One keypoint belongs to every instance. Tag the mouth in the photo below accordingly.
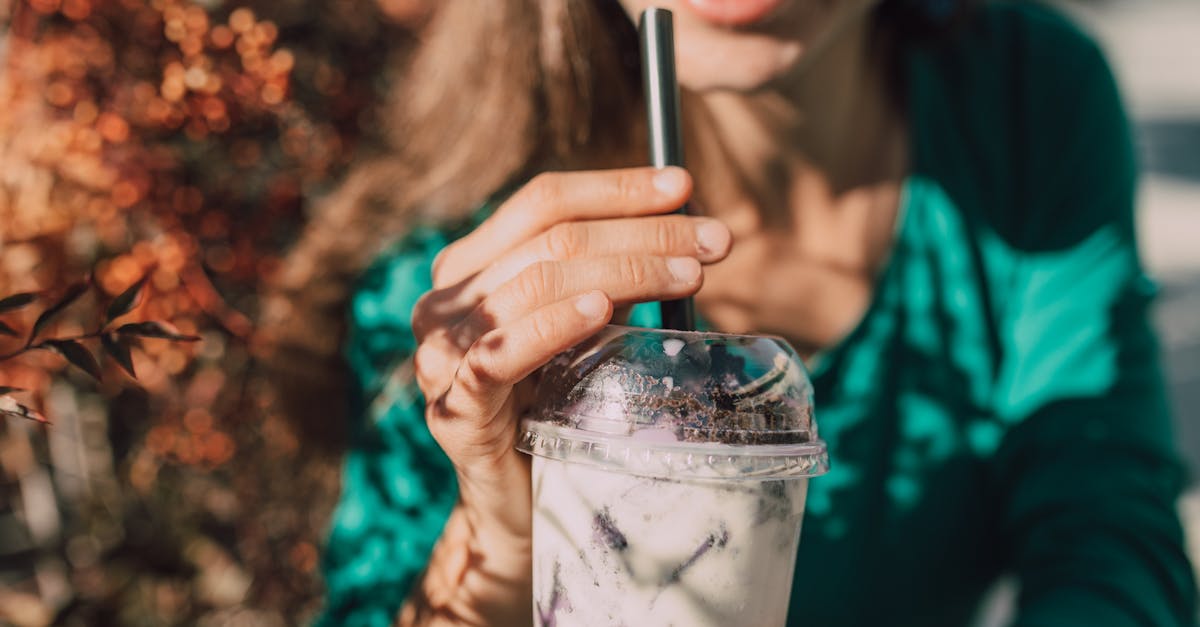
(733, 12)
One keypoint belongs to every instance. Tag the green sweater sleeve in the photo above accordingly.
(1088, 473)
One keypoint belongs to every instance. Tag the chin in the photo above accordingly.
(741, 45)
(742, 63)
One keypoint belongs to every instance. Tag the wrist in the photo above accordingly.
(497, 504)
(478, 574)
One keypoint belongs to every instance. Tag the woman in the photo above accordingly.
(939, 218)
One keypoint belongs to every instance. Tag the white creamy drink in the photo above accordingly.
(670, 470)
(619, 549)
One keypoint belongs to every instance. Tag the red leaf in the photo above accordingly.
(160, 330)
(16, 301)
(72, 294)
(77, 355)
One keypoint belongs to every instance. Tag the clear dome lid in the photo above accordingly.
(679, 404)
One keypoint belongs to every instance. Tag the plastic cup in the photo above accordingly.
(669, 477)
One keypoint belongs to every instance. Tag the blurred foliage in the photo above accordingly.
(175, 140)
(117, 341)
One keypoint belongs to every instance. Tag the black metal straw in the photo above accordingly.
(661, 89)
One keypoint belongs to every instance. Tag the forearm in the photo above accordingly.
(477, 575)
(1106, 573)
(1095, 536)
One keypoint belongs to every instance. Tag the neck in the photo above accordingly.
(830, 123)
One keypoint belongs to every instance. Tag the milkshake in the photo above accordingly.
(669, 476)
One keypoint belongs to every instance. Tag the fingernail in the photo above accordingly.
(670, 180)
(592, 305)
(685, 269)
(712, 237)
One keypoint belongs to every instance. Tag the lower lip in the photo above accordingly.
(733, 12)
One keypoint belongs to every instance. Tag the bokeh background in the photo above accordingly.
(188, 141)
(182, 140)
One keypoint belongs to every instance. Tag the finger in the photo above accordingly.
(503, 357)
(556, 197)
(435, 360)
(625, 279)
(440, 308)
(668, 236)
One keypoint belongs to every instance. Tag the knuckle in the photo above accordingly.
(539, 281)
(435, 356)
(421, 359)
(633, 272)
(670, 236)
(566, 240)
(424, 365)
(629, 185)
(486, 316)
(437, 415)
(543, 191)
(430, 312)
(543, 329)
(437, 269)
(479, 369)
(421, 314)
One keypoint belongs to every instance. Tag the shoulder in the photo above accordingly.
(1009, 32)
(1018, 66)
(1038, 20)
(1019, 117)
(1046, 59)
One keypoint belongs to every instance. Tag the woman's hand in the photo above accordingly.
(541, 275)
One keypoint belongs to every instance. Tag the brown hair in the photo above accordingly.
(489, 96)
